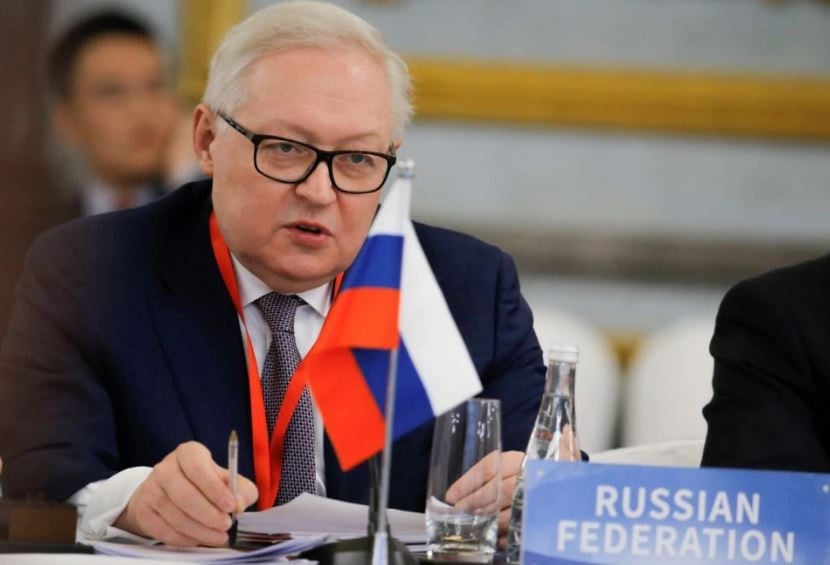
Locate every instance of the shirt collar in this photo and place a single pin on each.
(98, 197)
(252, 288)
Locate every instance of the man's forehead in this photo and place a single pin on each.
(305, 94)
(105, 44)
(106, 55)
(294, 60)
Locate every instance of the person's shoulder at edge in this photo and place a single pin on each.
(790, 282)
(768, 347)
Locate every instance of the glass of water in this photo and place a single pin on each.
(462, 507)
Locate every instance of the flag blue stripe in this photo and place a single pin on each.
(412, 406)
(374, 364)
(378, 264)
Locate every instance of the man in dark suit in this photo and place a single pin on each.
(125, 365)
(772, 373)
(111, 106)
(114, 108)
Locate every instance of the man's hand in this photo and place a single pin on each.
(478, 489)
(568, 446)
(186, 500)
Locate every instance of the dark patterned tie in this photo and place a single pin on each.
(298, 464)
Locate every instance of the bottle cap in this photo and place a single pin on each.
(565, 353)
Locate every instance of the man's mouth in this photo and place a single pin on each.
(310, 228)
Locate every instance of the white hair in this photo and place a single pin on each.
(301, 23)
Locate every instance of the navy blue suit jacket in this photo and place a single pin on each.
(124, 343)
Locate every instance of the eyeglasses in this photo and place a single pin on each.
(291, 162)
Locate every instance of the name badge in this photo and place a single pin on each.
(595, 513)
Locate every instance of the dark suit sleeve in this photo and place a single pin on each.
(516, 374)
(56, 424)
(764, 406)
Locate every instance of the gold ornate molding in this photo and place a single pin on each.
(656, 101)
(538, 94)
(203, 24)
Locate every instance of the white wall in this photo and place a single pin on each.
(620, 183)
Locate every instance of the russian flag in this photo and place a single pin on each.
(389, 298)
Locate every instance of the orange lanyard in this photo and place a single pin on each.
(267, 458)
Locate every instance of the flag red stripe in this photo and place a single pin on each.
(362, 317)
(352, 418)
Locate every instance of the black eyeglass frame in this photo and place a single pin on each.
(321, 156)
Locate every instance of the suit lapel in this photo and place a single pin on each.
(199, 334)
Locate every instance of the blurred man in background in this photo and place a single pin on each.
(114, 108)
(111, 105)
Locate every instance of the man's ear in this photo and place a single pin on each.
(203, 135)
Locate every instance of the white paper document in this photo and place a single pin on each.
(314, 515)
(270, 553)
(310, 520)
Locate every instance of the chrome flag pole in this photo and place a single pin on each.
(380, 549)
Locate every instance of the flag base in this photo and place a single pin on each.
(358, 551)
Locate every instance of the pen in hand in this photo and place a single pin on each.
(233, 469)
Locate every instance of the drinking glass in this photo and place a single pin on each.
(462, 507)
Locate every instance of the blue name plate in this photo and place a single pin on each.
(594, 513)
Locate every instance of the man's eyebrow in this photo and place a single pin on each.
(309, 136)
(366, 137)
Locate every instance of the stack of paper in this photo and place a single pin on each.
(313, 515)
(304, 523)
(270, 553)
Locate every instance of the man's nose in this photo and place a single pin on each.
(150, 104)
(317, 188)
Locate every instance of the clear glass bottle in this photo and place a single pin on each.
(553, 436)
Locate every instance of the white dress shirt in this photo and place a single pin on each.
(98, 197)
(101, 503)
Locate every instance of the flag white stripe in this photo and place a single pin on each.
(394, 212)
(435, 345)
